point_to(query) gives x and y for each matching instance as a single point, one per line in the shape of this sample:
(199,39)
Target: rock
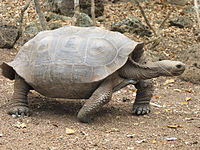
(9,34)
(32,29)
(159,21)
(191,58)
(196,32)
(86,7)
(54,25)
(181,22)
(189,10)
(62,7)
(66,7)
(171,139)
(84,20)
(55,16)
(101,19)
(132,25)
(177,2)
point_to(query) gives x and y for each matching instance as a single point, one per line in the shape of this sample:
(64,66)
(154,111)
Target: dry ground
(174,122)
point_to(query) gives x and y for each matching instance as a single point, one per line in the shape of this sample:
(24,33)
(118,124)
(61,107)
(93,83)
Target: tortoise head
(170,68)
(136,71)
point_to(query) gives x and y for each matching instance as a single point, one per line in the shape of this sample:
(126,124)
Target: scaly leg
(19,103)
(100,97)
(145,89)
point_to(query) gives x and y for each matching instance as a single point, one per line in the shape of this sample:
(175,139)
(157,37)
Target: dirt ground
(174,122)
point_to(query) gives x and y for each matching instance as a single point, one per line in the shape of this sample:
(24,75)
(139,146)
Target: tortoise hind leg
(19,103)
(145,89)
(100,97)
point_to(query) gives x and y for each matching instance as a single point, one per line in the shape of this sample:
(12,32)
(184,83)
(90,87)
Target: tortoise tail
(7,71)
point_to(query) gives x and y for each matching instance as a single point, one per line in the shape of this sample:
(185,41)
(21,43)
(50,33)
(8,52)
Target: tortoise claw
(141,109)
(18,111)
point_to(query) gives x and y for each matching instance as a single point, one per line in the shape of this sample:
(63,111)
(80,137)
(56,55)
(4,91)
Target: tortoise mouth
(178,73)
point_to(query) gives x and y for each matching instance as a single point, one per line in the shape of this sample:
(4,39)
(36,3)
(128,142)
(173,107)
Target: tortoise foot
(18,111)
(84,118)
(141,109)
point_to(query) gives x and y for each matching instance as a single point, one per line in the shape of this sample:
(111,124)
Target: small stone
(130,135)
(14,116)
(113,130)
(52,148)
(136,124)
(156,105)
(153,141)
(171,139)
(117,117)
(130,148)
(1,134)
(20,125)
(69,131)
(186,143)
(83,133)
(141,141)
(177,90)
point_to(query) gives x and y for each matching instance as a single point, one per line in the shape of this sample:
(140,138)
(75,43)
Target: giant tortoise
(83,63)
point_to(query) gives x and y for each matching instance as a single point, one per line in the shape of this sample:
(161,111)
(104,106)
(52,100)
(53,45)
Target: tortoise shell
(72,55)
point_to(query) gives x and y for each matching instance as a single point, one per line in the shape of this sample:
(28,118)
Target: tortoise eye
(178,66)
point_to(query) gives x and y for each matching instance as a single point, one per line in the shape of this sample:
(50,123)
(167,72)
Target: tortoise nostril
(179,66)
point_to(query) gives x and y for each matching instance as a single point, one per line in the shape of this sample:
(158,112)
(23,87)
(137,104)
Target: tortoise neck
(136,71)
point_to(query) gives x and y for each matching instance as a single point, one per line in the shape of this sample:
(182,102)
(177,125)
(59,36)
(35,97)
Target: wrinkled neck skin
(135,71)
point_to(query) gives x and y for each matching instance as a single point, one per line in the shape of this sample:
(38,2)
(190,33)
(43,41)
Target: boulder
(66,7)
(84,20)
(132,25)
(55,16)
(191,58)
(9,34)
(181,22)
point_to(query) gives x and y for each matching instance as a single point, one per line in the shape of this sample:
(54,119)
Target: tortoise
(83,63)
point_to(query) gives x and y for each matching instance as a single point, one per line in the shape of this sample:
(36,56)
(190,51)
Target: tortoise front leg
(100,97)
(19,103)
(145,89)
